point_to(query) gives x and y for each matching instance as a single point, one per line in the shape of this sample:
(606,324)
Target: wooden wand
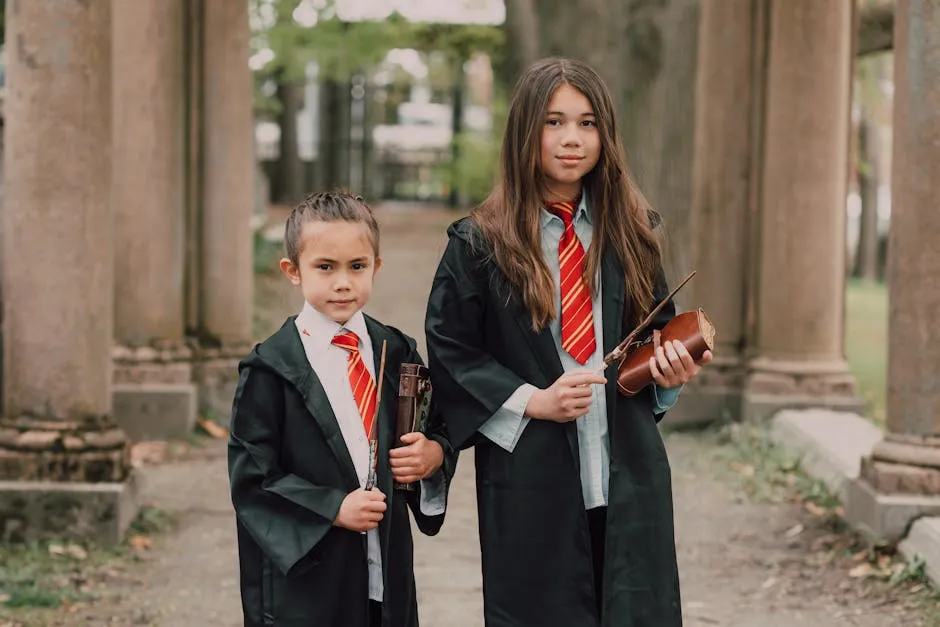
(373,439)
(618,353)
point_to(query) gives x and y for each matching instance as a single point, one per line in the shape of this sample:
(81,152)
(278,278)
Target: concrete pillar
(798,357)
(227,154)
(728,124)
(57,435)
(901,478)
(153,395)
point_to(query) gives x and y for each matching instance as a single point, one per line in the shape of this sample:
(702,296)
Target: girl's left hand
(672,365)
(419,460)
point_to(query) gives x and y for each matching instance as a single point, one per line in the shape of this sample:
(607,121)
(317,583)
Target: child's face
(571,143)
(335,268)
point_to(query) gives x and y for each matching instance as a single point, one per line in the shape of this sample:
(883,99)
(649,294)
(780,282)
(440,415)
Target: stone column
(57,435)
(901,478)
(153,394)
(798,357)
(728,121)
(227,153)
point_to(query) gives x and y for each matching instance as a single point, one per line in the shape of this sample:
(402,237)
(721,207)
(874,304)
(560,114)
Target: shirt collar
(320,329)
(582,212)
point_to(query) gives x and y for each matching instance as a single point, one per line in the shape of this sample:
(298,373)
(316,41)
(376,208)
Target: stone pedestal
(57,267)
(901,478)
(797,342)
(216,375)
(153,394)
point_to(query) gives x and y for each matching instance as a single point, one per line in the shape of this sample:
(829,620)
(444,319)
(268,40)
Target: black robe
(290,470)
(537,564)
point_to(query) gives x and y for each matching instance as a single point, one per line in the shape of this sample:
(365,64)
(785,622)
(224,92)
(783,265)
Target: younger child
(315,547)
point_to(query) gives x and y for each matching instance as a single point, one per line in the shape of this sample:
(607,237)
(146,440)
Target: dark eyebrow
(583,115)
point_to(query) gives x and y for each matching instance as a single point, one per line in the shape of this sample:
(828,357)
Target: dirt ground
(742,563)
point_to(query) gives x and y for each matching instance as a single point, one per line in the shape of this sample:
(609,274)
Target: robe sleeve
(668,312)
(285,515)
(470,384)
(436,430)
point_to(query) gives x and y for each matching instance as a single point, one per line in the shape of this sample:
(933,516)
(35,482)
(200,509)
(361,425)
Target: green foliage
(866,342)
(44,574)
(151,520)
(769,472)
(341,48)
(267,254)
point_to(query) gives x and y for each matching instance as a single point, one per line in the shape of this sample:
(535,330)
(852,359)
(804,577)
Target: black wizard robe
(537,564)
(290,470)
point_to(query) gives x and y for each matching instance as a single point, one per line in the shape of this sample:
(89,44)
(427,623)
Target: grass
(770,474)
(866,342)
(40,580)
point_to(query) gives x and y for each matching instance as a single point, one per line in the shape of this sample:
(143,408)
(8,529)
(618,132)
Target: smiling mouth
(571,159)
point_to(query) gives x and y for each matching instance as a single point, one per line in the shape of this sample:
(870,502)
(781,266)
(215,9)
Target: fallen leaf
(862,570)
(77,552)
(794,531)
(814,509)
(212,428)
(769,583)
(152,452)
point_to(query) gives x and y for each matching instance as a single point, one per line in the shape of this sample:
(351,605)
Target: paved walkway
(739,565)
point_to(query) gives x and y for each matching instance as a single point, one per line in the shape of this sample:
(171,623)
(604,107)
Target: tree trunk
(333,156)
(866,260)
(875,29)
(522,30)
(456,130)
(290,167)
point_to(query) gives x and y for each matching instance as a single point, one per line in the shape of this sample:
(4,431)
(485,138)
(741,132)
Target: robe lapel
(542,345)
(612,303)
(298,370)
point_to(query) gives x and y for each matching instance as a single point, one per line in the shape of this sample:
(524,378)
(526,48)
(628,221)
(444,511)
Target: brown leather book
(414,402)
(692,328)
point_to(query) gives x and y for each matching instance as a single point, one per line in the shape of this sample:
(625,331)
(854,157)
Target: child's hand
(672,364)
(419,460)
(568,398)
(361,510)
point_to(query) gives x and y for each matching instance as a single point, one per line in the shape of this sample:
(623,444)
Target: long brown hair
(509,217)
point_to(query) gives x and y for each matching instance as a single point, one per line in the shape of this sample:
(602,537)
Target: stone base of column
(714,395)
(38,449)
(99,513)
(65,479)
(153,394)
(772,385)
(899,482)
(216,376)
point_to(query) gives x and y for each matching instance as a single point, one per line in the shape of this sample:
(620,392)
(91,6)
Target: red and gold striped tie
(361,382)
(577,321)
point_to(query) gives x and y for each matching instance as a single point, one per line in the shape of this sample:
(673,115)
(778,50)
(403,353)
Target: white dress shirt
(507,424)
(329,363)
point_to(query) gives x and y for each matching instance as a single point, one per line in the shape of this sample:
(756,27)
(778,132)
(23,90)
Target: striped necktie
(361,382)
(577,320)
